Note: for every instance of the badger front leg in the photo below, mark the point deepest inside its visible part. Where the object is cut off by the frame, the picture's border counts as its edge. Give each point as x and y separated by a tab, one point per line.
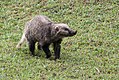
46	50
32	47
57	48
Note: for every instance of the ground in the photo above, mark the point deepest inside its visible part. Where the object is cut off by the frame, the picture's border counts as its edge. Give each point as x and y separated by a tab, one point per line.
93	54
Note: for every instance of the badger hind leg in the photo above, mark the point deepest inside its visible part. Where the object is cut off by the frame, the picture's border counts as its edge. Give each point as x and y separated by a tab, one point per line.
23	39
32	47
46	50
39	46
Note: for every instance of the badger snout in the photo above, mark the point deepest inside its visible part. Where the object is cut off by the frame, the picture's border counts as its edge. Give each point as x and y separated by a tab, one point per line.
72	33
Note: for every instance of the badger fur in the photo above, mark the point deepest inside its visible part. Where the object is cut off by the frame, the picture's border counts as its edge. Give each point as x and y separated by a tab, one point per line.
44	31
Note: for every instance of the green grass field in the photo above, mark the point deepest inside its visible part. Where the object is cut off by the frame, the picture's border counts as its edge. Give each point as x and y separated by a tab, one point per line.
93	54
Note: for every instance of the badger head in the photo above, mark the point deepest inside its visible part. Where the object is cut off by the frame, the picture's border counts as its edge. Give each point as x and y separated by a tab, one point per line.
63	30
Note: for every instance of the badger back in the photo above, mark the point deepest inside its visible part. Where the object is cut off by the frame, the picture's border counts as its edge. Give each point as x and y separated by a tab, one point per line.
38	32
41	20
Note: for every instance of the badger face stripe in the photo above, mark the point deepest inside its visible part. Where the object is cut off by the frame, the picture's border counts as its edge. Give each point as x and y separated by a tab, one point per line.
63	30
66	29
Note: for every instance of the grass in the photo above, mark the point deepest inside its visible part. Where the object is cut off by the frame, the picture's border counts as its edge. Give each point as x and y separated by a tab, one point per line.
93	54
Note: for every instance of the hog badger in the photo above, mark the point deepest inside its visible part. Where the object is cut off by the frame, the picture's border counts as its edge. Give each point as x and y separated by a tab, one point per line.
44	31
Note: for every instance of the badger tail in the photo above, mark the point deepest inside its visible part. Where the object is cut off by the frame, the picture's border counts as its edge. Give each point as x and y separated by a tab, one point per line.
23	39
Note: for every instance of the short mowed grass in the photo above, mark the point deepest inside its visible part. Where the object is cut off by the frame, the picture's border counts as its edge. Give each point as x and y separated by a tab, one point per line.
92	54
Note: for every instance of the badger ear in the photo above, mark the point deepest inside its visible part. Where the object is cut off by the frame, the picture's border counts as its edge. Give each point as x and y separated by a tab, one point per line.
57	28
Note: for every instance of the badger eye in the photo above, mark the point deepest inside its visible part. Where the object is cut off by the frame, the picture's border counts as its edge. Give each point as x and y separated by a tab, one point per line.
66	29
